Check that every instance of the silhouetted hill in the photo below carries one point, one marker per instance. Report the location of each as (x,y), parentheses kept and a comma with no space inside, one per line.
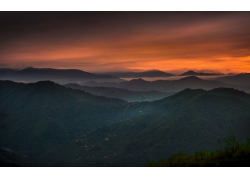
(151,73)
(38,117)
(130,96)
(168,86)
(61,76)
(239,79)
(232,153)
(188,121)
(193,73)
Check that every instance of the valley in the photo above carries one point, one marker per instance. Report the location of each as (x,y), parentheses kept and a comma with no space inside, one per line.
(55,125)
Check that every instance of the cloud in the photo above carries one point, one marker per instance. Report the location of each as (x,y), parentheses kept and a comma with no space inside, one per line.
(126,40)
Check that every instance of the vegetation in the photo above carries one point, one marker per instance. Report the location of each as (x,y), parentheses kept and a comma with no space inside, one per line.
(53,125)
(40,117)
(234,154)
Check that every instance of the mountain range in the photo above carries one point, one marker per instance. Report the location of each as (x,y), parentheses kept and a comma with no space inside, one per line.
(186,122)
(193,73)
(112,79)
(52,125)
(38,116)
(157,73)
(61,76)
(242,79)
(167,85)
(130,96)
(151,73)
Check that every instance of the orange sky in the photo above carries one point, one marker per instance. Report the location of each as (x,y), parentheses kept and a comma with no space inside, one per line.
(98,42)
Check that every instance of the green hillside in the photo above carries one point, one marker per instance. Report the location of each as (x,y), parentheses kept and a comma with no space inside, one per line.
(187,122)
(39,117)
(232,154)
(51,125)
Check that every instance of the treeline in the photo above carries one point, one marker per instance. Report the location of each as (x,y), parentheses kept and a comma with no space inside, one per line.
(232,154)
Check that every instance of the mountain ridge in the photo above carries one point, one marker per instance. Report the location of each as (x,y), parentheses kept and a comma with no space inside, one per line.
(167,85)
(189,121)
(242,79)
(131,74)
(193,73)
(61,76)
(76,128)
(130,96)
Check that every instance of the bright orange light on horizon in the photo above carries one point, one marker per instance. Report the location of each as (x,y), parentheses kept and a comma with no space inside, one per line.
(171,42)
(98,60)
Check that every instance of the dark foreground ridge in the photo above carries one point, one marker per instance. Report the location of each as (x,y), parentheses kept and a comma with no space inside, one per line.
(235,154)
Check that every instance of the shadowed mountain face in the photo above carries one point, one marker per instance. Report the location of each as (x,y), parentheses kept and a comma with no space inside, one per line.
(152,73)
(130,96)
(61,76)
(192,82)
(240,79)
(188,121)
(38,117)
(57,126)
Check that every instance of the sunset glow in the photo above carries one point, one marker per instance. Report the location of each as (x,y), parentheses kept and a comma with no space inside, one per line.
(119,41)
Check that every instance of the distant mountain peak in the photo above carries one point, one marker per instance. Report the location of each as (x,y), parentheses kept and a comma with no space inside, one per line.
(188,91)
(62,76)
(191,78)
(148,73)
(191,72)
(46,83)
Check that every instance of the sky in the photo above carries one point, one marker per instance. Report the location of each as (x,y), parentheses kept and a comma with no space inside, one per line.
(124,41)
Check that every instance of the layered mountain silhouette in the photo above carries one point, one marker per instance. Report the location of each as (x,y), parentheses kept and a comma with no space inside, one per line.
(193,73)
(151,73)
(167,85)
(242,79)
(38,116)
(61,76)
(130,96)
(53,125)
(187,122)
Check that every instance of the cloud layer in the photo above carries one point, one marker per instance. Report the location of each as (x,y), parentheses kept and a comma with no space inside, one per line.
(108,41)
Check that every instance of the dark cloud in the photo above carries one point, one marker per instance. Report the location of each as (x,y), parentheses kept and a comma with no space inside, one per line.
(117,39)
